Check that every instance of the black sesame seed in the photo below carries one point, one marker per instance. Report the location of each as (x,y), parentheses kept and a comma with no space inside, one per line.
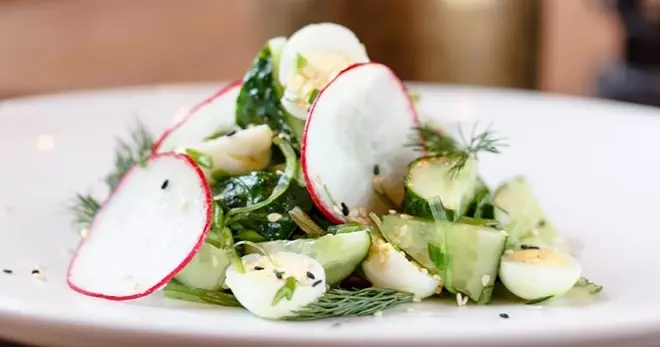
(528,247)
(165,184)
(310,275)
(35,271)
(317,283)
(279,274)
(258,268)
(344,209)
(231,133)
(504,315)
(541,223)
(7,271)
(376,170)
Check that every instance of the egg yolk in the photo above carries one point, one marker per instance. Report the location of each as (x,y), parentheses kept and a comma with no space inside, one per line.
(314,72)
(541,257)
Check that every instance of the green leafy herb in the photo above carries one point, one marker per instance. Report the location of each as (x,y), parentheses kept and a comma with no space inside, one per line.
(286,291)
(178,291)
(539,300)
(258,101)
(203,160)
(437,256)
(131,153)
(301,62)
(84,208)
(313,95)
(591,287)
(434,142)
(348,303)
(306,223)
(439,211)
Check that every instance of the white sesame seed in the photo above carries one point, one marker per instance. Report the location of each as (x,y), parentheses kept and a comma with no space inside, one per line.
(405,216)
(214,262)
(465,300)
(378,314)
(459,299)
(39,276)
(437,278)
(410,309)
(509,252)
(392,211)
(535,232)
(184,205)
(438,290)
(428,314)
(274,217)
(279,172)
(84,233)
(363,211)
(424,271)
(136,286)
(416,299)
(485,280)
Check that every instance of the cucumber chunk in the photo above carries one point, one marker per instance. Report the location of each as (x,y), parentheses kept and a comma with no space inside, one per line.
(206,270)
(528,224)
(432,176)
(339,254)
(413,236)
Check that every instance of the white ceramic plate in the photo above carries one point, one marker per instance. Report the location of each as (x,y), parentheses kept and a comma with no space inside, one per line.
(594,165)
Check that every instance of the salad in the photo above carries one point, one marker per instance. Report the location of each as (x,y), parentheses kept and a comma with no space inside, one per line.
(309,190)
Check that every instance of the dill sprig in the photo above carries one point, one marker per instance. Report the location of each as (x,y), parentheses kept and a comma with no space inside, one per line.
(130,153)
(351,303)
(436,143)
(127,154)
(84,208)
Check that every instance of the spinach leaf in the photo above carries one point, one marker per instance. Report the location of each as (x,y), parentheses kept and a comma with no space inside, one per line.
(259,99)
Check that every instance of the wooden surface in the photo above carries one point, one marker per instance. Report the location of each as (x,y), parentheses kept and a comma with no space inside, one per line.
(54,45)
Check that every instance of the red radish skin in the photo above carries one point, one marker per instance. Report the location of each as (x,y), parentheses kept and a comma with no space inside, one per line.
(193,111)
(208,199)
(314,194)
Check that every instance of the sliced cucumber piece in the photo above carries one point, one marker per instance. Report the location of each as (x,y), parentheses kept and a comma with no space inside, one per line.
(429,177)
(528,224)
(276,46)
(339,254)
(472,259)
(415,237)
(206,270)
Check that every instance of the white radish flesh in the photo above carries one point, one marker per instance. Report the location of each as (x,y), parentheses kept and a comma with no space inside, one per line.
(256,288)
(147,231)
(217,113)
(360,123)
(244,151)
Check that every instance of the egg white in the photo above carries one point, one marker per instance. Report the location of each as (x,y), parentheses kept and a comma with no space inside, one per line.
(385,267)
(537,280)
(255,289)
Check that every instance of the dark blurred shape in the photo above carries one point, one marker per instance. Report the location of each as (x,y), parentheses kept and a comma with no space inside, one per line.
(483,42)
(636,78)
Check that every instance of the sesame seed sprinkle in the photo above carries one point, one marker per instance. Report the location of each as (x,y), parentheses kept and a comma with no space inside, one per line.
(378,314)
(279,274)
(258,268)
(36,271)
(344,209)
(165,184)
(7,271)
(317,283)
(459,299)
(392,211)
(84,233)
(405,216)
(465,300)
(376,170)
(504,315)
(184,205)
(274,217)
(310,275)
(485,279)
(39,276)
(231,133)
(416,299)
(410,309)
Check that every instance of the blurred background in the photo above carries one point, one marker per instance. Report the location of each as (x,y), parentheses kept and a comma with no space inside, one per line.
(582,47)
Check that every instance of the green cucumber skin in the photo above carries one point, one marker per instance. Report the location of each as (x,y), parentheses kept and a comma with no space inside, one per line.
(201,272)
(415,205)
(470,251)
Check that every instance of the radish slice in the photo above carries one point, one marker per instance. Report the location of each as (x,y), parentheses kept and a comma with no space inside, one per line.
(364,118)
(217,113)
(149,229)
